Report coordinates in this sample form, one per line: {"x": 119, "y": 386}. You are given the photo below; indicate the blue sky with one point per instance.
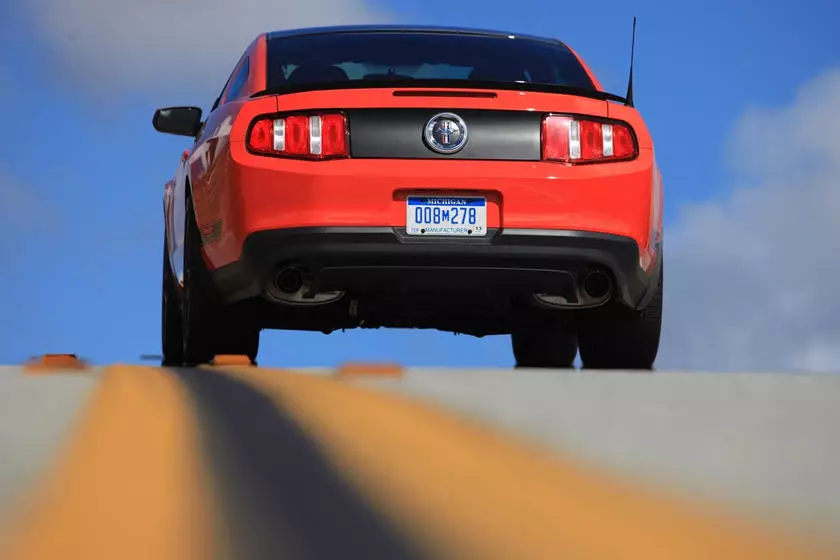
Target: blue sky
{"x": 82, "y": 170}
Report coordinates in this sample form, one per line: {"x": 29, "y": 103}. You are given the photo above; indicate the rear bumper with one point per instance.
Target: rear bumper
{"x": 256, "y": 194}
{"x": 385, "y": 259}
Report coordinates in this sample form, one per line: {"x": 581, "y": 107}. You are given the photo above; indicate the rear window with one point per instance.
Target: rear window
{"x": 387, "y": 57}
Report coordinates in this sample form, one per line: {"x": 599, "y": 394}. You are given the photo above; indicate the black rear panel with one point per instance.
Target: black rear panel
{"x": 398, "y": 133}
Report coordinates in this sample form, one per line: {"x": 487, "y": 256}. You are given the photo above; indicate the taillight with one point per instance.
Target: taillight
{"x": 580, "y": 140}
{"x": 314, "y": 136}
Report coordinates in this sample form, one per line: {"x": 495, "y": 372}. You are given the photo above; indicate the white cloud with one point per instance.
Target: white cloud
{"x": 752, "y": 283}
{"x": 164, "y": 46}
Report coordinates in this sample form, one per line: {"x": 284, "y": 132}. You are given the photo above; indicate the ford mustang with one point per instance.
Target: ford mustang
{"x": 469, "y": 181}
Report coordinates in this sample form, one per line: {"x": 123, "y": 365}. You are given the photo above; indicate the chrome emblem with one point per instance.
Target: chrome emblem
{"x": 446, "y": 133}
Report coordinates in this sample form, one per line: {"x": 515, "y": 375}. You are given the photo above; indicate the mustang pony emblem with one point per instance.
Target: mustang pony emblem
{"x": 446, "y": 133}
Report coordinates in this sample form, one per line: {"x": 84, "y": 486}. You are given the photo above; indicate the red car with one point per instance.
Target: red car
{"x": 469, "y": 181}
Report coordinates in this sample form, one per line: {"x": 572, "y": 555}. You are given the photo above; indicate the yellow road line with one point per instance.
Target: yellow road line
{"x": 130, "y": 483}
{"x": 463, "y": 491}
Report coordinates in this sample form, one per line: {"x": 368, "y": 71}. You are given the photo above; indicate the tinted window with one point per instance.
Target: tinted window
{"x": 239, "y": 81}
{"x": 389, "y": 56}
{"x": 224, "y": 88}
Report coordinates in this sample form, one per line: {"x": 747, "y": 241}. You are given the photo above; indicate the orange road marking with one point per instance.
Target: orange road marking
{"x": 54, "y": 362}
{"x": 356, "y": 369}
{"x": 129, "y": 485}
{"x": 462, "y": 491}
{"x": 231, "y": 360}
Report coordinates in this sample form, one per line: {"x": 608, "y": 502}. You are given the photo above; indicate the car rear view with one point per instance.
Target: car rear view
{"x": 466, "y": 181}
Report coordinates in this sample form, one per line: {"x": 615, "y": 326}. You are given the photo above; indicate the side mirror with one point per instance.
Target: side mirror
{"x": 183, "y": 121}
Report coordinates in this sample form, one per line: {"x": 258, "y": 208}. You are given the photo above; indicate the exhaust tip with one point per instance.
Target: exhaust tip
{"x": 289, "y": 280}
{"x": 597, "y": 284}
{"x": 292, "y": 286}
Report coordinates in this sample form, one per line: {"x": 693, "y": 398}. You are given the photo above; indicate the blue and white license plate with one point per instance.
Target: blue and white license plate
{"x": 438, "y": 215}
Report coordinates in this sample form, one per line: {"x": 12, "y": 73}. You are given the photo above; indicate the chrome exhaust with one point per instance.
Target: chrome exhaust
{"x": 291, "y": 286}
{"x": 289, "y": 280}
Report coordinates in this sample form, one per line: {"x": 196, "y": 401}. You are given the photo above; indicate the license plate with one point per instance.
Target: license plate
{"x": 440, "y": 215}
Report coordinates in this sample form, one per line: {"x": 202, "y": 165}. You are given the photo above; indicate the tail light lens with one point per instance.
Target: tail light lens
{"x": 313, "y": 136}
{"x": 570, "y": 139}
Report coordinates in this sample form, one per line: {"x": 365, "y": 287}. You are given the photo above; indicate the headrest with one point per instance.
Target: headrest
{"x": 317, "y": 73}
{"x": 497, "y": 73}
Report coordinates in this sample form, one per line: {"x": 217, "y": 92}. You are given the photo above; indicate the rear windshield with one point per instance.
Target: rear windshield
{"x": 387, "y": 57}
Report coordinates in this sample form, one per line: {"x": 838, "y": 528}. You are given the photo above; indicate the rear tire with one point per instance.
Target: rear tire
{"x": 171, "y": 328}
{"x": 544, "y": 349}
{"x": 209, "y": 328}
{"x": 618, "y": 337}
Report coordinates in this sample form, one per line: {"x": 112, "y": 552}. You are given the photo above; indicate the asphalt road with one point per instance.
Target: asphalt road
{"x": 130, "y": 461}
{"x": 768, "y": 443}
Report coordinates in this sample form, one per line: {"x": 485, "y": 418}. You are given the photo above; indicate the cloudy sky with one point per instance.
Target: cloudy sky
{"x": 743, "y": 99}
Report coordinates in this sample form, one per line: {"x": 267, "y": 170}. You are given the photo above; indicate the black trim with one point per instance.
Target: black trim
{"x": 454, "y": 84}
{"x": 399, "y": 133}
{"x": 532, "y": 255}
{"x": 181, "y": 120}
{"x": 654, "y": 274}
{"x": 444, "y": 93}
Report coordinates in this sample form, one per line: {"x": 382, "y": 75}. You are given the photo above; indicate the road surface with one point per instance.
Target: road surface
{"x": 380, "y": 462}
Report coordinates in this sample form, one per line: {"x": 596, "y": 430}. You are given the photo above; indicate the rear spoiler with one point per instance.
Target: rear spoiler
{"x": 456, "y": 84}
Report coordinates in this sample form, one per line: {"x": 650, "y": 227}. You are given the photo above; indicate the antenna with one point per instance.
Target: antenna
{"x": 632, "y": 53}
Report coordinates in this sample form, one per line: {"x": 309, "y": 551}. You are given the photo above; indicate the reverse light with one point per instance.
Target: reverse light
{"x": 312, "y": 136}
{"x": 570, "y": 139}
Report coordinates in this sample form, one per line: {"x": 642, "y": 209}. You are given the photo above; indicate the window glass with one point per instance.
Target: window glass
{"x": 239, "y": 81}
{"x": 389, "y": 56}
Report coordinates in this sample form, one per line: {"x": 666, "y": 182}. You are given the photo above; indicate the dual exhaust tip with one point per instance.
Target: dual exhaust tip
{"x": 597, "y": 284}
{"x": 289, "y": 280}
{"x": 591, "y": 289}
{"x": 292, "y": 285}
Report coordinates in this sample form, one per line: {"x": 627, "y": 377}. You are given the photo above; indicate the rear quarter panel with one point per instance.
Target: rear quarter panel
{"x": 652, "y": 250}
{"x": 208, "y": 166}
{"x": 212, "y": 173}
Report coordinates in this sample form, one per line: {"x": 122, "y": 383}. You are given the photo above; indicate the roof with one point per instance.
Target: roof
{"x": 404, "y": 28}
